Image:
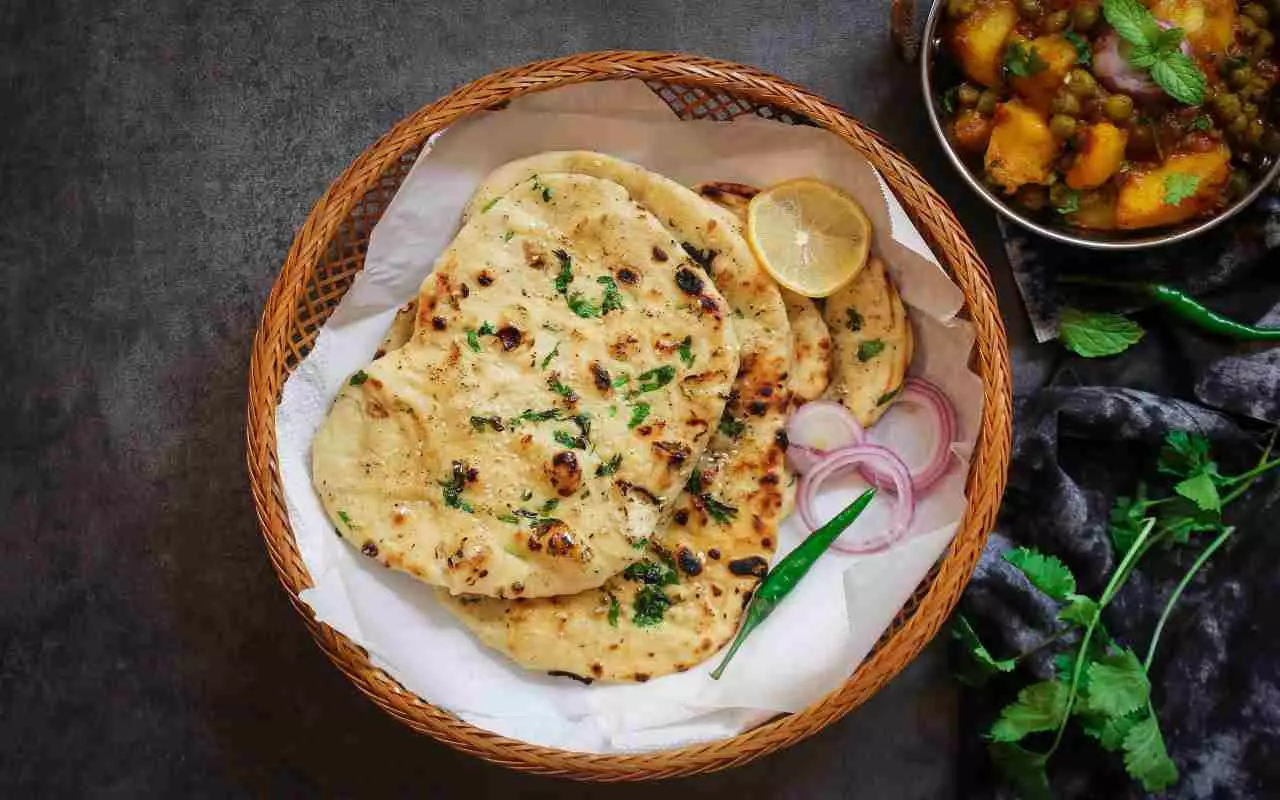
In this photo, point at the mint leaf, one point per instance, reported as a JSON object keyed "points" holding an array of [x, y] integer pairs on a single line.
{"points": [[1145, 756], [1095, 333], [1142, 55], [1200, 489], [1131, 20], [1039, 707], [1022, 768], [1117, 684], [1180, 78], [1178, 187], [1046, 573], [1080, 610], [979, 663], [1169, 39]]}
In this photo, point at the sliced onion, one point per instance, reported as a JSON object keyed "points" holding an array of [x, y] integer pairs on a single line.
{"points": [[920, 392], [848, 458], [823, 425]]}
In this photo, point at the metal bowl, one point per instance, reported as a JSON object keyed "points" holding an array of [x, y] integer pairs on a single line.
{"points": [[931, 52]]}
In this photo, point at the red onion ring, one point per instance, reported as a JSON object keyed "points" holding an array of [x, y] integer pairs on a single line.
{"points": [[920, 392], [843, 460]]}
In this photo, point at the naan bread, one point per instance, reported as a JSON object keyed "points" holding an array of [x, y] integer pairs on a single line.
{"points": [[565, 373], [686, 600], [810, 339], [873, 343]]}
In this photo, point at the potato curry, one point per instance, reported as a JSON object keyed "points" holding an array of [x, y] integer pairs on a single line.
{"points": [[1114, 114]]}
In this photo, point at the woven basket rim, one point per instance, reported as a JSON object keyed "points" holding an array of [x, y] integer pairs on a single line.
{"points": [[276, 343]]}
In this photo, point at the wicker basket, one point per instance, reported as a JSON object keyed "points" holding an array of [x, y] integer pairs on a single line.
{"points": [[330, 248]]}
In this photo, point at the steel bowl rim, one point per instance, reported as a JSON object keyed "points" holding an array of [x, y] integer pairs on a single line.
{"points": [[929, 46]]}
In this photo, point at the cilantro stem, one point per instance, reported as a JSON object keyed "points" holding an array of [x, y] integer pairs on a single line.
{"points": [[1251, 474], [1177, 592], [1113, 586]]}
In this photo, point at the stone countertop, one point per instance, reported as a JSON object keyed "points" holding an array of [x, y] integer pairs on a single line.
{"points": [[155, 161]]}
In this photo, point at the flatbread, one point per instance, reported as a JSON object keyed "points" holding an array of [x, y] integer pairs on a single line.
{"points": [[872, 340], [810, 339], [504, 448], [700, 570]]}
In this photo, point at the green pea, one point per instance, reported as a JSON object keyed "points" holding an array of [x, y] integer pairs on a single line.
{"points": [[1257, 13], [1085, 15], [967, 95], [1240, 77], [1226, 104], [1056, 22], [1029, 8], [1253, 134], [987, 102], [1250, 110], [1263, 43], [959, 8], [1118, 107], [1239, 184], [1065, 103], [1081, 83], [1062, 126]]}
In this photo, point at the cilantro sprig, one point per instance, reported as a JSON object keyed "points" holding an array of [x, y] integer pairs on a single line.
{"points": [[1022, 60], [1157, 50], [1178, 186], [1101, 683]]}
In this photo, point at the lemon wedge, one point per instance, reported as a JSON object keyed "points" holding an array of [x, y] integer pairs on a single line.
{"points": [[810, 236]]}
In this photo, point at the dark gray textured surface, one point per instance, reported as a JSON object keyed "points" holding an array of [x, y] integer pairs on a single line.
{"points": [[155, 160]]}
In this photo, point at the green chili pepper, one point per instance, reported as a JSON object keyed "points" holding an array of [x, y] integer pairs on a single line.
{"points": [[784, 577], [1186, 308]]}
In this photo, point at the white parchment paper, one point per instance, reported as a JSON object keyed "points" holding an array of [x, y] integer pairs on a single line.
{"points": [[819, 634]]}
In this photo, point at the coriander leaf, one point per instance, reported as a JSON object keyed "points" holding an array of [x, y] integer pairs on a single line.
{"points": [[609, 467], [554, 384], [490, 204], [853, 320], [506, 237], [1022, 768], [614, 610], [360, 377], [949, 100], [1023, 61], [583, 307], [346, 518], [722, 513], [565, 276], [1131, 20], [654, 379], [1117, 684], [612, 300], [686, 351], [639, 412], [487, 329], [731, 427], [1080, 609], [889, 395], [650, 606], [1084, 55], [1069, 203], [554, 352], [1180, 78], [1128, 517], [511, 518], [1202, 123], [1109, 731], [1184, 454], [1178, 187], [1095, 333], [1039, 707], [979, 663], [473, 340], [569, 440], [620, 381], [1200, 489], [870, 349], [1047, 573], [1145, 756]]}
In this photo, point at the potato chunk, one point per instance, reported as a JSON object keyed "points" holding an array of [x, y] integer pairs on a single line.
{"points": [[1022, 150], [1141, 203], [1209, 24], [978, 39], [1058, 56], [1101, 154]]}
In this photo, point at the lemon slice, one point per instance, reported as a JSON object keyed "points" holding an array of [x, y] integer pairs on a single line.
{"points": [[809, 235]]}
